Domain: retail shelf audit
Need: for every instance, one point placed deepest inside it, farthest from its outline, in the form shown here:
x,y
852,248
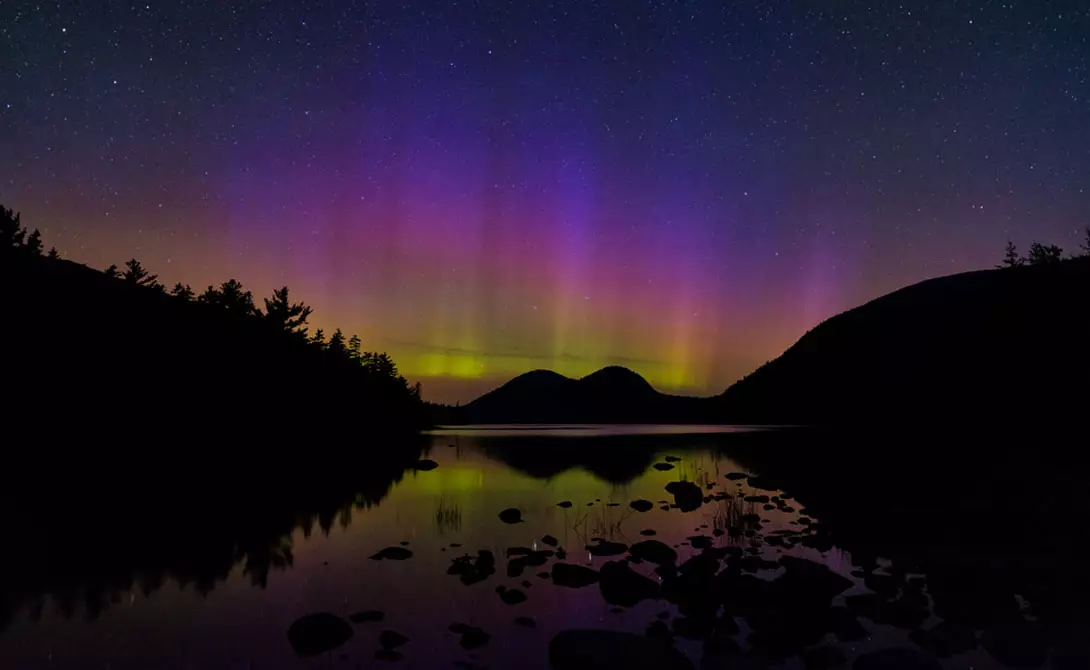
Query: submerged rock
x,y
607,548
392,554
663,466
511,515
512,596
687,495
735,476
654,551
390,639
641,505
426,464
602,649
473,570
550,540
525,622
648,532
621,585
564,503
472,637
900,658
318,633
671,459
366,615
573,576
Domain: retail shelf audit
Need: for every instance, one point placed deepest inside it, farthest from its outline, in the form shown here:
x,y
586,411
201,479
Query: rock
x,y
318,633
601,649
607,548
525,622
687,495
663,466
735,476
393,554
550,541
366,615
388,655
659,630
945,639
390,639
805,579
692,628
900,658
641,505
700,541
512,596
647,532
426,464
511,515
756,499
475,570
518,551
653,551
621,585
671,459
1016,644
472,637
573,576
823,658
613,504
543,575
564,503
844,625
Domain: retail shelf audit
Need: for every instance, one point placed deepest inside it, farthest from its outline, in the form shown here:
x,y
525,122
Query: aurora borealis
x,y
485,188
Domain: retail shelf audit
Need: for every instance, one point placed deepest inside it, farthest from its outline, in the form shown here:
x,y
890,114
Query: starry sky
x,y
485,188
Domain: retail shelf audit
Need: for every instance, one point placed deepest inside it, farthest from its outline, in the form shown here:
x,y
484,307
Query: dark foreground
x,y
797,549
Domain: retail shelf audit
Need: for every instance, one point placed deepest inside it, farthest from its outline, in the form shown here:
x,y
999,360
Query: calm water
x,y
442,514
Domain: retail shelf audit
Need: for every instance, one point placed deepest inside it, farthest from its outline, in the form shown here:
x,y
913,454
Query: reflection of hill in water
x,y
84,540
614,458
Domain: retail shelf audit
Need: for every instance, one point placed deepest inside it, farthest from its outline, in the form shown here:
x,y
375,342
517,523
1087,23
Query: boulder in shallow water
x,y
687,495
654,551
663,466
550,540
899,658
607,548
392,554
564,503
603,649
641,505
472,637
671,459
318,633
648,532
511,515
621,585
391,639
366,615
573,576
426,464
735,476
512,596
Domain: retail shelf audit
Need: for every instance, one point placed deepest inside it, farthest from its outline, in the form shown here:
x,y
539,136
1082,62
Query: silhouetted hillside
x,y
113,360
610,395
1000,346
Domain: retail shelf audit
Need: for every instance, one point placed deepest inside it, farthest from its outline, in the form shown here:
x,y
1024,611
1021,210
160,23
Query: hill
x,y
91,356
999,346
610,395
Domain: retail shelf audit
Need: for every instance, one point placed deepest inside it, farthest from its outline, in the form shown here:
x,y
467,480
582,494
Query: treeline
x,y
1042,254
191,342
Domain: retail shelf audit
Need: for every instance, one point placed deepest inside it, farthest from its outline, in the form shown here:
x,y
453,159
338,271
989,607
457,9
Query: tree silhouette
x,y
34,243
12,233
318,339
231,298
53,253
182,291
379,364
1041,254
1011,259
1085,246
354,344
112,272
136,274
336,343
285,315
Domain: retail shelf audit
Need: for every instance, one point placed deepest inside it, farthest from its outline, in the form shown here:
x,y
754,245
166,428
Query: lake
x,y
232,606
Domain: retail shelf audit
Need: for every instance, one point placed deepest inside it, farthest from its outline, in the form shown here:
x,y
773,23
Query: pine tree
x,y
318,339
354,344
53,253
182,291
231,298
1085,246
1011,259
1041,254
136,274
34,243
12,233
112,272
284,315
336,343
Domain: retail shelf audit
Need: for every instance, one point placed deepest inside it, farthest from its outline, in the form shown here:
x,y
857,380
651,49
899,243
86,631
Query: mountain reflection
x,y
85,541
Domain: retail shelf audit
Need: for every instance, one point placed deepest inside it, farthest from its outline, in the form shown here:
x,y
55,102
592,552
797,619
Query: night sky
x,y
485,188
